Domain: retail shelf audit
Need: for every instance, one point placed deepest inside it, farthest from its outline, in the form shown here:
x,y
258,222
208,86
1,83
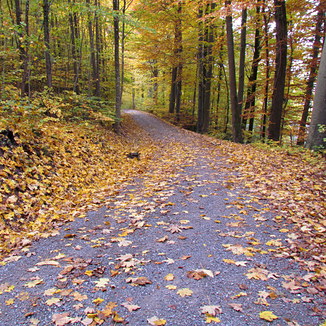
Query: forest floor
x,y
195,231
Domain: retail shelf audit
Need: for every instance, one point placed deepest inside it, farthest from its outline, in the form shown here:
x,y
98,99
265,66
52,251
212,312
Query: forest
x,y
239,70
162,162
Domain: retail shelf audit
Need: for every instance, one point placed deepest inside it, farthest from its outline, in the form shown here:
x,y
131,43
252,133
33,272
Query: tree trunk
x,y
252,82
25,79
275,119
173,89
93,82
46,27
205,70
236,118
176,75
117,66
243,39
312,75
317,130
123,43
74,50
97,52
267,73
22,44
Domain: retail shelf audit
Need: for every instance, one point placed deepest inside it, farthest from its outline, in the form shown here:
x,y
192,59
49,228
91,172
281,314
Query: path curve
x,y
176,243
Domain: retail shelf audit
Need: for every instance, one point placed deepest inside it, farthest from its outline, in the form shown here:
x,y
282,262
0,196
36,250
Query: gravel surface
x,y
180,219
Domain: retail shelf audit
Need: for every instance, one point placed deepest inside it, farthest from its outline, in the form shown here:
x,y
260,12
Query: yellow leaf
x,y
185,292
267,315
117,318
171,287
33,283
98,301
89,273
210,319
169,277
10,302
156,321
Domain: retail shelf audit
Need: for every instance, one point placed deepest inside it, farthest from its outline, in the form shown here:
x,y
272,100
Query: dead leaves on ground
x,y
128,263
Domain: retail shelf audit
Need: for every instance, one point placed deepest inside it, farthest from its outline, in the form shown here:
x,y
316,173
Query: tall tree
x,y
312,74
73,23
176,75
117,65
205,64
317,130
275,119
46,27
266,19
23,43
252,81
236,118
94,82
243,41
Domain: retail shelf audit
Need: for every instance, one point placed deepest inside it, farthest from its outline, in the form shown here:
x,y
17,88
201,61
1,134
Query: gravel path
x,y
173,242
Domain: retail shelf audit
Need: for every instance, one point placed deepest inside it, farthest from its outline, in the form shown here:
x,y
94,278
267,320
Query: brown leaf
x,y
236,306
211,310
130,307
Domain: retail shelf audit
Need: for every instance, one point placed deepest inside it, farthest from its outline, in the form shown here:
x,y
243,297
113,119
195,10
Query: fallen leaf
x,y
9,302
61,319
33,283
78,296
163,239
236,306
138,280
185,292
98,301
174,228
169,277
171,287
130,307
102,282
52,301
211,310
267,315
156,321
48,262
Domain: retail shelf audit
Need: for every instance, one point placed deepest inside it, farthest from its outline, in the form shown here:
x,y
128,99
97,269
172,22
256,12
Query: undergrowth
x,y
59,157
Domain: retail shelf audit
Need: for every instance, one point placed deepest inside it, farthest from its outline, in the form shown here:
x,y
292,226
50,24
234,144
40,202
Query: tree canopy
x,y
173,57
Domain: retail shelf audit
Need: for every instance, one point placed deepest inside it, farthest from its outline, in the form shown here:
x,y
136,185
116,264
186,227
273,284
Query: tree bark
x,y
117,126
176,74
23,44
266,18
312,75
97,52
205,69
317,130
252,82
275,119
236,118
46,27
243,39
74,49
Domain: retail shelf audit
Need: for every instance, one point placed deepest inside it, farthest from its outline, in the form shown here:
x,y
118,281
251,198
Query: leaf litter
x,y
132,216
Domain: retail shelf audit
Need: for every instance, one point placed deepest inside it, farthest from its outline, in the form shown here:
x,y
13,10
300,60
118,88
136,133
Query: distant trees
x,y
243,70
263,79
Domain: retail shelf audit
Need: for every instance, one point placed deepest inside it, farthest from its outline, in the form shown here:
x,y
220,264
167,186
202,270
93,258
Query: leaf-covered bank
x,y
53,167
